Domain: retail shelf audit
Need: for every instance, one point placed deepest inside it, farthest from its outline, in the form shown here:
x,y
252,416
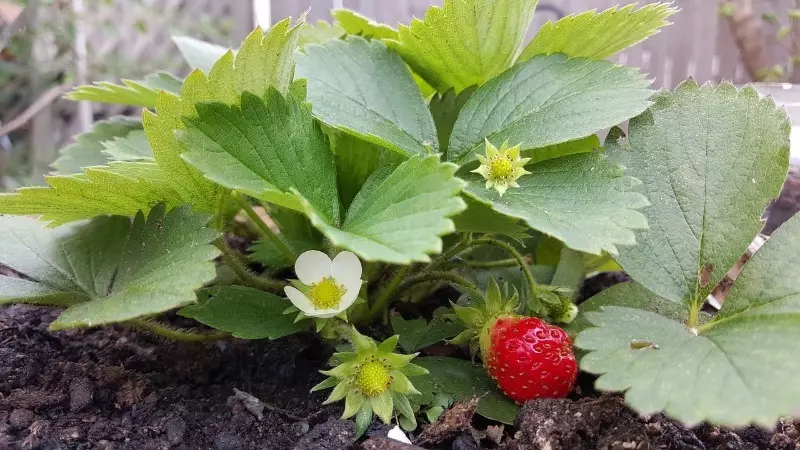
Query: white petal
x,y
350,296
312,266
397,434
300,300
346,268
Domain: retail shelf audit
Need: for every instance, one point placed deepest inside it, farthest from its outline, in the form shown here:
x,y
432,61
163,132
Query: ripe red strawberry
x,y
530,358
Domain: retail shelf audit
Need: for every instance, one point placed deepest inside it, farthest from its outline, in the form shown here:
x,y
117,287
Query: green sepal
x,y
383,405
401,383
363,419
339,392
362,343
389,344
325,384
352,403
463,338
403,406
413,370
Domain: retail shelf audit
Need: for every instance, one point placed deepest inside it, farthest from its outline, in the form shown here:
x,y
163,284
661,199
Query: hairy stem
x,y
243,272
523,265
175,334
266,231
454,251
448,277
499,264
382,302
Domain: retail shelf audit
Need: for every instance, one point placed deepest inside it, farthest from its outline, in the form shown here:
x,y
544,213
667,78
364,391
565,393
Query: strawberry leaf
x,y
464,43
738,368
417,334
121,188
356,160
318,33
481,218
133,147
109,270
198,54
585,145
88,149
143,93
710,159
363,89
244,312
445,109
583,200
554,100
464,380
295,230
596,35
400,212
265,148
354,23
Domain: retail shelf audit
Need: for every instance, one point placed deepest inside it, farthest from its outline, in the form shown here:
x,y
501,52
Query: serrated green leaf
x,y
143,93
198,54
133,147
554,100
399,214
295,230
596,35
583,200
481,218
354,23
363,89
463,380
318,33
710,159
113,269
265,149
88,148
356,160
121,188
585,145
465,42
245,313
445,109
416,334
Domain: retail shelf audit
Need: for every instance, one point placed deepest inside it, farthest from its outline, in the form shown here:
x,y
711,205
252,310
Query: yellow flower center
x,y
501,168
373,378
326,294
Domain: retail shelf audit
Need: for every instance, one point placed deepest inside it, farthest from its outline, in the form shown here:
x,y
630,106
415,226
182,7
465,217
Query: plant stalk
x,y
448,277
266,231
175,334
243,272
499,264
382,302
523,265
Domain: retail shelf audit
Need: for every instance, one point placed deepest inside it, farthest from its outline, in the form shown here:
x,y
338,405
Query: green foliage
x,y
417,334
464,43
296,231
318,33
464,380
199,54
356,160
356,24
596,35
142,93
363,89
133,147
244,312
709,187
89,148
109,270
555,100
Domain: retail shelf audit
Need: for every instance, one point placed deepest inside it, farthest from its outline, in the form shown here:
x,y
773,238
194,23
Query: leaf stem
x,y
464,244
382,302
241,270
287,252
523,265
173,333
499,264
448,277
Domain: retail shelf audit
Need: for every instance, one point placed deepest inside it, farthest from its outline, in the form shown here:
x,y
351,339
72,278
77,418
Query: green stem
x,y
464,244
523,265
448,277
499,264
175,334
243,272
382,301
287,252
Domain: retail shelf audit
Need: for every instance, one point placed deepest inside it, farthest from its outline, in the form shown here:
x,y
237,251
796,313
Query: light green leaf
x,y
133,147
199,54
356,160
417,334
88,147
465,42
710,159
121,188
112,269
363,89
464,380
596,35
265,148
555,100
318,33
445,109
583,200
245,313
295,230
481,218
585,145
143,93
399,214
354,23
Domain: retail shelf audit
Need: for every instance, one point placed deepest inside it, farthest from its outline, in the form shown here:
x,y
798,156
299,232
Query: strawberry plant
x,y
366,168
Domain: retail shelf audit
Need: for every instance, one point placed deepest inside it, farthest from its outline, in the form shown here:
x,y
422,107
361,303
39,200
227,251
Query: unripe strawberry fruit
x,y
529,358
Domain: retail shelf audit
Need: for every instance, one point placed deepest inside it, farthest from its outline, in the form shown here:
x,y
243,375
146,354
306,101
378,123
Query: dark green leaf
x,y
88,147
417,334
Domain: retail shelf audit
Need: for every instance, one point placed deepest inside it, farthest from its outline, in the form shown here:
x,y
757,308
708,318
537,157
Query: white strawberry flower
x,y
326,288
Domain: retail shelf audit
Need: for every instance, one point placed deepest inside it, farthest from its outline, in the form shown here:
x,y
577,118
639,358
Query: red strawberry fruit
x,y
530,358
